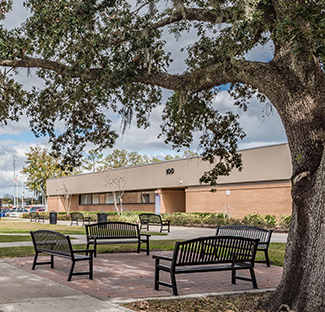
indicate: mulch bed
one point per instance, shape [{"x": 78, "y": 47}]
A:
[{"x": 248, "y": 302}]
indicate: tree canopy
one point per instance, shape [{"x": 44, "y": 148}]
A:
[
  {"x": 100, "y": 55},
  {"x": 41, "y": 166},
  {"x": 95, "y": 161}
]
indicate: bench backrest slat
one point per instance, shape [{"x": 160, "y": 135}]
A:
[
  {"x": 113, "y": 230},
  {"x": 51, "y": 241},
  {"x": 214, "y": 249},
  {"x": 150, "y": 218},
  {"x": 245, "y": 231}
]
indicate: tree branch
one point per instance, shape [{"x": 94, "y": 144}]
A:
[
  {"x": 63, "y": 70},
  {"x": 240, "y": 71},
  {"x": 247, "y": 72},
  {"x": 191, "y": 14}
]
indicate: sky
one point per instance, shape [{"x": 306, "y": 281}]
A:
[{"x": 16, "y": 138}]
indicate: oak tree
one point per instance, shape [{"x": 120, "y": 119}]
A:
[{"x": 100, "y": 55}]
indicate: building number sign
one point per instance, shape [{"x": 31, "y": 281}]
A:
[{"x": 170, "y": 171}]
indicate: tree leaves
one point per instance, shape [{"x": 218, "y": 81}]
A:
[
  {"x": 101, "y": 56},
  {"x": 219, "y": 133},
  {"x": 41, "y": 166}
]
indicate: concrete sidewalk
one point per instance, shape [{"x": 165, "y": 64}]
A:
[
  {"x": 27, "y": 292},
  {"x": 176, "y": 232}
]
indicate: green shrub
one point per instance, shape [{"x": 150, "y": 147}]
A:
[
  {"x": 285, "y": 221},
  {"x": 271, "y": 220},
  {"x": 255, "y": 219},
  {"x": 215, "y": 219},
  {"x": 185, "y": 219}
]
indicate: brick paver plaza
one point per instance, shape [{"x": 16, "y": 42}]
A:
[{"x": 122, "y": 276}]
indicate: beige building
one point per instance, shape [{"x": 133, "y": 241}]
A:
[{"x": 263, "y": 186}]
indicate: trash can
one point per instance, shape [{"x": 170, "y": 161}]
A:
[
  {"x": 102, "y": 217},
  {"x": 53, "y": 217}
]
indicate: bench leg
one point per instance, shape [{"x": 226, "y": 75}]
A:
[
  {"x": 174, "y": 286},
  {"x": 46, "y": 262},
  {"x": 267, "y": 258},
  {"x": 91, "y": 267},
  {"x": 157, "y": 274},
  {"x": 71, "y": 270},
  {"x": 148, "y": 247},
  {"x": 233, "y": 276},
  {"x": 139, "y": 246},
  {"x": 35, "y": 260},
  {"x": 253, "y": 277}
]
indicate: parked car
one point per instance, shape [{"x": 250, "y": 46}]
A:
[
  {"x": 4, "y": 211},
  {"x": 40, "y": 209},
  {"x": 18, "y": 212},
  {"x": 8, "y": 213},
  {"x": 36, "y": 209}
]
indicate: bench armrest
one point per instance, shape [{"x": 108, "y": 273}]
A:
[
  {"x": 84, "y": 250},
  {"x": 147, "y": 235},
  {"x": 162, "y": 257}
]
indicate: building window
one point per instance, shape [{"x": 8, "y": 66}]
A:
[
  {"x": 109, "y": 198},
  {"x": 145, "y": 198},
  {"x": 85, "y": 199},
  {"x": 95, "y": 199}
]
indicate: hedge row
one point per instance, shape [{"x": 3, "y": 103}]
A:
[{"x": 203, "y": 219}]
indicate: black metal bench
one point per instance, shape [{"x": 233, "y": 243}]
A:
[
  {"x": 250, "y": 232},
  {"x": 36, "y": 216},
  {"x": 147, "y": 219},
  {"x": 206, "y": 254},
  {"x": 57, "y": 244},
  {"x": 116, "y": 233},
  {"x": 76, "y": 217}
]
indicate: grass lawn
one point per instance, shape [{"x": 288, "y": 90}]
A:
[
  {"x": 28, "y": 251},
  {"x": 14, "y": 238},
  {"x": 25, "y": 227}
]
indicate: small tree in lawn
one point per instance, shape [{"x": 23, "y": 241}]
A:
[
  {"x": 63, "y": 189},
  {"x": 115, "y": 180},
  {"x": 41, "y": 166}
]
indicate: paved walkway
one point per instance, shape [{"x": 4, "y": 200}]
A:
[
  {"x": 117, "y": 277},
  {"x": 177, "y": 232}
]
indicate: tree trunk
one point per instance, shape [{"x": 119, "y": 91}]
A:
[
  {"x": 302, "y": 286},
  {"x": 301, "y": 109}
]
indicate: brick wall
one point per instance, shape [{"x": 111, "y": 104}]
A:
[{"x": 240, "y": 200}]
